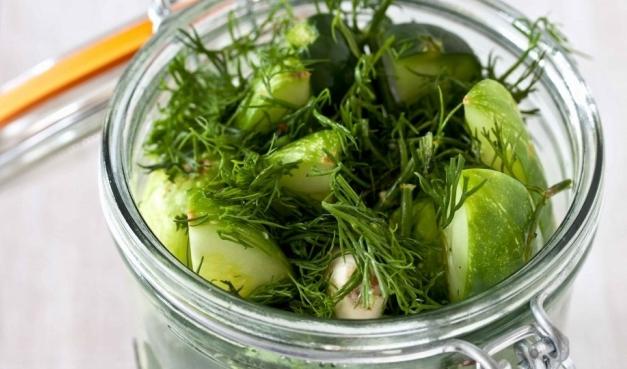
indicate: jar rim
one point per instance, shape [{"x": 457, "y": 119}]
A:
[{"x": 205, "y": 302}]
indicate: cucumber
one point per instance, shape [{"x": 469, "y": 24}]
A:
[
  {"x": 258, "y": 113},
  {"x": 426, "y": 221},
  {"x": 433, "y": 257},
  {"x": 425, "y": 52},
  {"x": 486, "y": 241},
  {"x": 252, "y": 260},
  {"x": 489, "y": 105},
  {"x": 315, "y": 155},
  {"x": 161, "y": 201},
  {"x": 427, "y": 232},
  {"x": 332, "y": 64}
]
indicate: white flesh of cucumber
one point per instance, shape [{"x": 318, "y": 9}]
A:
[{"x": 246, "y": 268}]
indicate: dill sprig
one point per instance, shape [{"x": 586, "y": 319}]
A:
[
  {"x": 205, "y": 89},
  {"x": 445, "y": 191},
  {"x": 381, "y": 256},
  {"x": 504, "y": 150},
  {"x": 545, "y": 195},
  {"x": 521, "y": 77}
]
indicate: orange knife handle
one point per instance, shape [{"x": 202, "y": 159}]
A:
[{"x": 73, "y": 69}]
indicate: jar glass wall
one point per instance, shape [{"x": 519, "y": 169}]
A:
[{"x": 191, "y": 324}]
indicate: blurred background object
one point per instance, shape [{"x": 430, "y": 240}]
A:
[
  {"x": 63, "y": 296},
  {"x": 65, "y": 300},
  {"x": 33, "y": 31}
]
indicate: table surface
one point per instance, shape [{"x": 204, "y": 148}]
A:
[{"x": 59, "y": 309}]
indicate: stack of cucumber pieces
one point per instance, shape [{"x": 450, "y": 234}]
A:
[{"x": 343, "y": 170}]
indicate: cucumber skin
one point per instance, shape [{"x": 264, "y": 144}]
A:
[
  {"x": 334, "y": 63},
  {"x": 312, "y": 154},
  {"x": 256, "y": 114},
  {"x": 433, "y": 263},
  {"x": 410, "y": 87},
  {"x": 431, "y": 245},
  {"x": 246, "y": 266},
  {"x": 161, "y": 201},
  {"x": 419, "y": 33},
  {"x": 448, "y": 54},
  {"x": 496, "y": 217},
  {"x": 489, "y": 102}
]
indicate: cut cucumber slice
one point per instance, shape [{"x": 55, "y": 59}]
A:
[
  {"x": 259, "y": 113},
  {"x": 315, "y": 155},
  {"x": 489, "y": 106},
  {"x": 486, "y": 241},
  {"x": 426, "y": 52},
  {"x": 232, "y": 255},
  {"x": 162, "y": 200}
]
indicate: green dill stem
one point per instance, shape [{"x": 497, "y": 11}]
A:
[
  {"x": 534, "y": 37},
  {"x": 444, "y": 120},
  {"x": 402, "y": 147},
  {"x": 557, "y": 188},
  {"x": 546, "y": 195},
  {"x": 533, "y": 31},
  {"x": 347, "y": 34},
  {"x": 355, "y": 4},
  {"x": 389, "y": 194},
  {"x": 202, "y": 260},
  {"x": 348, "y": 173},
  {"x": 518, "y": 63},
  {"x": 533, "y": 70},
  {"x": 378, "y": 18},
  {"x": 407, "y": 207},
  {"x": 368, "y": 143},
  {"x": 442, "y": 111}
]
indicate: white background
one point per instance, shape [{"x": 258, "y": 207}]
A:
[{"x": 64, "y": 300}]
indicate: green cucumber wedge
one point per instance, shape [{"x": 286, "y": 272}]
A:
[
  {"x": 273, "y": 96},
  {"x": 492, "y": 113},
  {"x": 426, "y": 231},
  {"x": 316, "y": 155},
  {"x": 433, "y": 256},
  {"x": 232, "y": 256},
  {"x": 426, "y": 221},
  {"x": 425, "y": 52},
  {"x": 486, "y": 241},
  {"x": 162, "y": 200}
]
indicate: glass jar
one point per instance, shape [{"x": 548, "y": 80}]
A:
[{"x": 189, "y": 323}]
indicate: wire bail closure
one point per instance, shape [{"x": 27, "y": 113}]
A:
[{"x": 539, "y": 345}]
